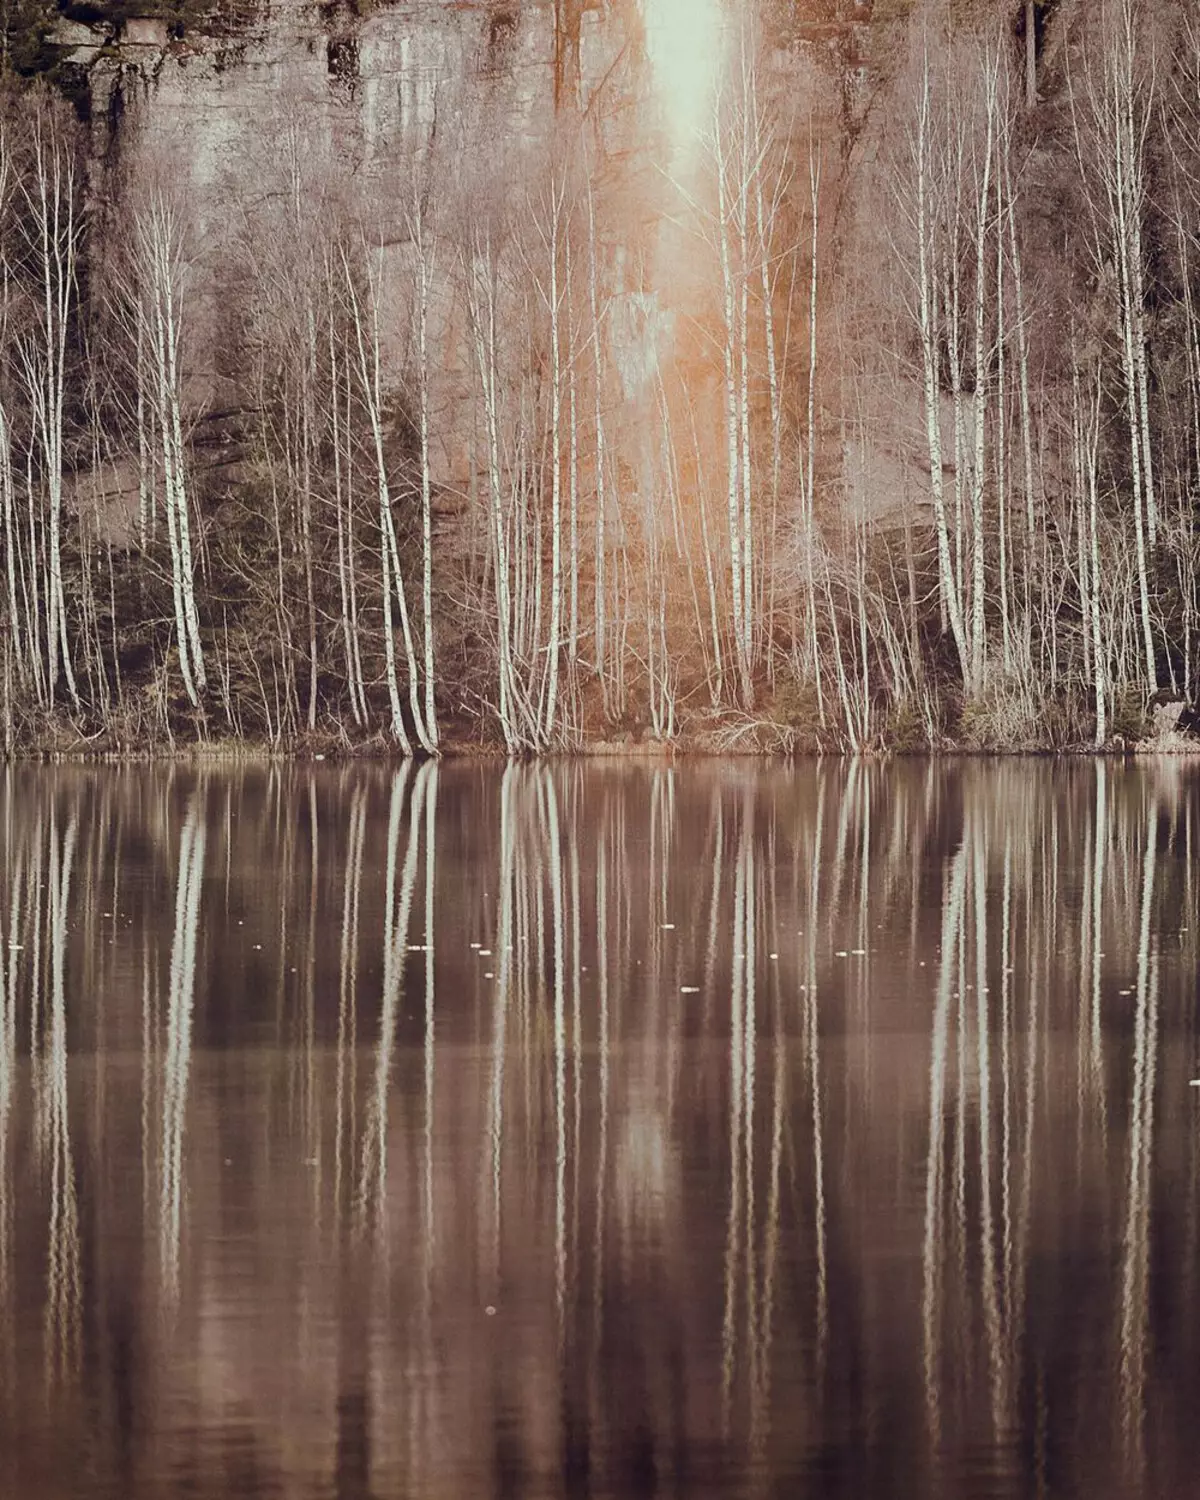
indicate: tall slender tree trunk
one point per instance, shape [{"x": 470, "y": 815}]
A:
[
  {"x": 979, "y": 472},
  {"x": 601, "y": 640},
  {"x": 734, "y": 476},
  {"x": 554, "y": 649},
  {"x": 425, "y": 271},
  {"x": 927, "y": 293}
]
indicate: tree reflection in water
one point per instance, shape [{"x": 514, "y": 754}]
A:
[{"x": 611, "y": 1131}]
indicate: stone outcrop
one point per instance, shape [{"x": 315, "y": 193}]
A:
[{"x": 222, "y": 115}]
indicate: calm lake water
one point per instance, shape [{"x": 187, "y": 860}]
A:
[{"x": 600, "y": 1131}]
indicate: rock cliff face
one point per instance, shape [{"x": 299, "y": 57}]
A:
[
  {"x": 475, "y": 87},
  {"x": 484, "y": 105},
  {"x": 230, "y": 117},
  {"x": 224, "y": 118}
]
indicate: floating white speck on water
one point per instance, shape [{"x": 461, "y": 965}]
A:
[
  {"x": 475, "y": 945},
  {"x": 689, "y": 989},
  {"x": 485, "y": 953},
  {"x": 1194, "y": 1083},
  {"x": 842, "y": 953},
  {"x": 418, "y": 948},
  {"x": 489, "y": 975},
  {"x": 668, "y": 926},
  {"x": 859, "y": 952},
  {"x": 775, "y": 955},
  {"x": 490, "y": 1310}
]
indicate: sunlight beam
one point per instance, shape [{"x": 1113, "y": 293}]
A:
[{"x": 683, "y": 39}]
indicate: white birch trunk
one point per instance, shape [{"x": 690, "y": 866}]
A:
[
  {"x": 927, "y": 293},
  {"x": 731, "y": 416},
  {"x": 425, "y": 273}
]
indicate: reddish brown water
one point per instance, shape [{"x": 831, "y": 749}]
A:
[{"x": 727, "y": 1130}]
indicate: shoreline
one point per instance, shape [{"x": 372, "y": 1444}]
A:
[{"x": 1174, "y": 747}]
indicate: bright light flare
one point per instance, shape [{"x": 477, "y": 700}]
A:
[{"x": 683, "y": 41}]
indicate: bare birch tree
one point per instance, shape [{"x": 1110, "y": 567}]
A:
[
  {"x": 157, "y": 256},
  {"x": 53, "y": 225}
]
